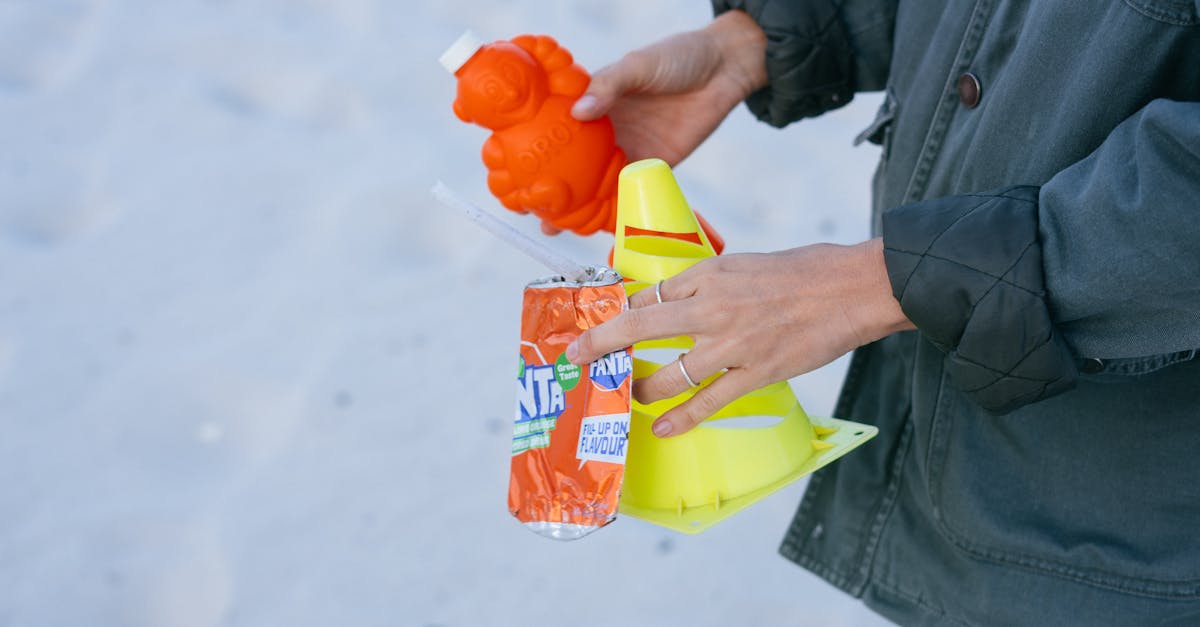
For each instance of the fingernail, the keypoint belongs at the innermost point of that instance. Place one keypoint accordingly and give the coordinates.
(572, 352)
(584, 105)
(662, 428)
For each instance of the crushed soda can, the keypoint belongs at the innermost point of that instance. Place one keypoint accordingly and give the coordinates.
(571, 424)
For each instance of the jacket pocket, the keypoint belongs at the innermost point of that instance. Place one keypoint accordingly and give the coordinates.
(1126, 370)
(1177, 12)
(1098, 486)
(880, 133)
(880, 129)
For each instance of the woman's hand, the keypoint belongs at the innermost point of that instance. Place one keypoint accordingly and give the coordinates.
(760, 318)
(666, 98)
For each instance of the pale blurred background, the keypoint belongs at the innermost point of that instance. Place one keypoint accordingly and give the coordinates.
(250, 373)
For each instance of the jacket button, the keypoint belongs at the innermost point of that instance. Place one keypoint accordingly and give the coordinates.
(1092, 365)
(969, 90)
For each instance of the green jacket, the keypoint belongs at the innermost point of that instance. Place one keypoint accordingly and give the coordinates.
(1038, 194)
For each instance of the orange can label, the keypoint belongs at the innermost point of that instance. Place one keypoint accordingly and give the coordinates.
(571, 423)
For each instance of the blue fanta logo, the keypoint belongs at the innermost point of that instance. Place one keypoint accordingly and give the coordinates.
(538, 394)
(611, 370)
(540, 402)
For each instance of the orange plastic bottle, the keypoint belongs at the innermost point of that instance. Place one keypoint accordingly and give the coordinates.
(540, 159)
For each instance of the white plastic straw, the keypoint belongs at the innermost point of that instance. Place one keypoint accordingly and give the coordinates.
(557, 262)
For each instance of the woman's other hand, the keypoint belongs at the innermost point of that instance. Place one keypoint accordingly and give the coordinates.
(667, 98)
(756, 318)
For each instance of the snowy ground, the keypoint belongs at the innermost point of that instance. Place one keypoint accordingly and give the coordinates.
(250, 374)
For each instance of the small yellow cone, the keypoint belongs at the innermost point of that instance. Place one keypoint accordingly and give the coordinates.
(657, 235)
(694, 480)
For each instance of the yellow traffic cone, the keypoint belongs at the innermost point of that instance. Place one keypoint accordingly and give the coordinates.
(751, 448)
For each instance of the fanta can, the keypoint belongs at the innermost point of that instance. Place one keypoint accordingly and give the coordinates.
(571, 423)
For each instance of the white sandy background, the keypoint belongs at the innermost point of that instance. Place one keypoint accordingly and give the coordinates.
(250, 373)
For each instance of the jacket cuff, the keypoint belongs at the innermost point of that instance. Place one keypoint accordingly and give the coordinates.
(967, 271)
(810, 60)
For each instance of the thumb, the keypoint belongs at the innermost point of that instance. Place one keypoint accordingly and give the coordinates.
(610, 83)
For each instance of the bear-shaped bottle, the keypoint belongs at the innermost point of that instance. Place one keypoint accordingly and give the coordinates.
(540, 159)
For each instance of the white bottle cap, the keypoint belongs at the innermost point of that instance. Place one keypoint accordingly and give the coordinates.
(461, 51)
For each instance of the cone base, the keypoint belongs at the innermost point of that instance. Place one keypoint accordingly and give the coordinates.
(846, 436)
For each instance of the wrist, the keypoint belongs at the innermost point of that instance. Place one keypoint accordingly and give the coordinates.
(742, 46)
(881, 312)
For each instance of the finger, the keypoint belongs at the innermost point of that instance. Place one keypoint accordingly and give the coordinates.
(669, 380)
(707, 401)
(612, 82)
(550, 229)
(645, 297)
(678, 287)
(634, 325)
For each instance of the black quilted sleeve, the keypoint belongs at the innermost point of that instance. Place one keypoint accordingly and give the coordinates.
(967, 271)
(810, 60)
